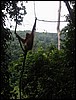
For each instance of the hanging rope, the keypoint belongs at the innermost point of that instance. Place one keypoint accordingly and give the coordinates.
(21, 74)
(15, 33)
(50, 21)
(45, 20)
(34, 10)
(25, 53)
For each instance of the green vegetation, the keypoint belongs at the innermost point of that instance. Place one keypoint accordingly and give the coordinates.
(49, 73)
(41, 39)
(10, 8)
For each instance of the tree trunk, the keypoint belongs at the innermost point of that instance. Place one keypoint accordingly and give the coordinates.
(58, 25)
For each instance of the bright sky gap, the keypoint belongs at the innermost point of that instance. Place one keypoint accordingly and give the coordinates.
(45, 10)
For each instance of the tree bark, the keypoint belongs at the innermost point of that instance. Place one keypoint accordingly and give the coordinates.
(58, 25)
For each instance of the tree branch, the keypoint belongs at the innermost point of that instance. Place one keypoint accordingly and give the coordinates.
(70, 10)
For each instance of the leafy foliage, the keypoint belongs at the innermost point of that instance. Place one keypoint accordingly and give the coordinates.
(5, 36)
(69, 41)
(47, 76)
(41, 39)
(49, 72)
(7, 7)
